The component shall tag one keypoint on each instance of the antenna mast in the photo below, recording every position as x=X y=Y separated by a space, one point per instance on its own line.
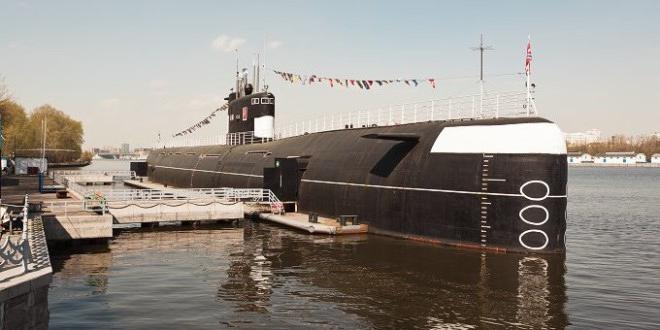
x=237 y=76
x=481 y=50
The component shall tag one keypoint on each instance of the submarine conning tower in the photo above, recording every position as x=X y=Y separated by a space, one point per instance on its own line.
x=251 y=115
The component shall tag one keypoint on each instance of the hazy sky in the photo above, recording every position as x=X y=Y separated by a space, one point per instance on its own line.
x=131 y=69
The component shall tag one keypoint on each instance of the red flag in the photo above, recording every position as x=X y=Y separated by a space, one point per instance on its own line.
x=528 y=58
x=432 y=82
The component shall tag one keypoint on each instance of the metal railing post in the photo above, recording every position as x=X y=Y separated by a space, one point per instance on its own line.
x=25 y=247
x=415 y=113
x=449 y=115
x=497 y=106
x=403 y=111
x=390 y=122
x=432 y=108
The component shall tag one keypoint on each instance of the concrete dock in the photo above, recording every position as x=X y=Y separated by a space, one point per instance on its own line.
x=299 y=221
x=160 y=211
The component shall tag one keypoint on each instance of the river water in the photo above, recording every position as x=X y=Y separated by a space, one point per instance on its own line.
x=257 y=275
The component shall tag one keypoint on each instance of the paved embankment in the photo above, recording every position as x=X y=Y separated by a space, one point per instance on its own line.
x=24 y=279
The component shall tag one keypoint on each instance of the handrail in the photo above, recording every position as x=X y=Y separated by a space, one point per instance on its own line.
x=16 y=253
x=229 y=195
x=474 y=106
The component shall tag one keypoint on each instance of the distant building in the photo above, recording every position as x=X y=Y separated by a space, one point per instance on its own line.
x=579 y=157
x=629 y=157
x=579 y=138
x=125 y=149
x=655 y=159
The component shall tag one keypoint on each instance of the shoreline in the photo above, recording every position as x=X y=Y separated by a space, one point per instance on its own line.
x=643 y=165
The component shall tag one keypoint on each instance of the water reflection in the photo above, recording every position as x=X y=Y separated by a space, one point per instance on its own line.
x=267 y=276
x=90 y=263
x=398 y=283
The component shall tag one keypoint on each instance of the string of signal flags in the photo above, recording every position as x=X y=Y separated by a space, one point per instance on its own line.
x=202 y=122
x=352 y=83
x=348 y=83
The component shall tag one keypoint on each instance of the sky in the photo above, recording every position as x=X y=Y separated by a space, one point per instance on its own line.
x=130 y=70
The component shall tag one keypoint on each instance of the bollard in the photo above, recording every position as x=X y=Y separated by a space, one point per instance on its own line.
x=344 y=217
x=354 y=220
x=313 y=217
x=342 y=220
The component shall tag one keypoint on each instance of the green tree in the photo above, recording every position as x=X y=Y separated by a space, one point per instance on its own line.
x=62 y=132
x=24 y=134
x=86 y=156
x=13 y=124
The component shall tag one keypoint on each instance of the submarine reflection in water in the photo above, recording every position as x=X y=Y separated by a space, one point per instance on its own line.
x=392 y=282
x=267 y=275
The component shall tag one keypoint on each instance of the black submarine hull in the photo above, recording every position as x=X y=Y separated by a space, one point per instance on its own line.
x=496 y=192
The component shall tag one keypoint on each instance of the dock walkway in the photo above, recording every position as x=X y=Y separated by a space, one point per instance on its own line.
x=323 y=226
x=296 y=220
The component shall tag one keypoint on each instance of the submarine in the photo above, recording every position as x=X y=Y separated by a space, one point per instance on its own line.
x=495 y=184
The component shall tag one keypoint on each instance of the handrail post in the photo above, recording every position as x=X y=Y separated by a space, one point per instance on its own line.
x=390 y=122
x=403 y=111
x=415 y=113
x=497 y=106
x=432 y=108
x=449 y=115
x=24 y=244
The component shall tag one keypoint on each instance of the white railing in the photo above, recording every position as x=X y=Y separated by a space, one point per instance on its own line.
x=73 y=207
x=16 y=254
x=239 y=138
x=477 y=106
x=508 y=104
x=228 y=195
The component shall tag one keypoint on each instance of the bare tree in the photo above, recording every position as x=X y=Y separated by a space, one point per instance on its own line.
x=4 y=92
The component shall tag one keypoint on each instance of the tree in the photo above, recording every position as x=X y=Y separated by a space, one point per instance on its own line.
x=25 y=133
x=87 y=156
x=13 y=123
x=4 y=92
x=62 y=132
